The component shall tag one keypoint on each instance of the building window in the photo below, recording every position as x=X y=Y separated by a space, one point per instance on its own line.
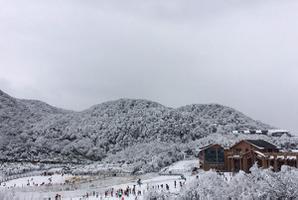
x=214 y=155
x=210 y=155
x=220 y=155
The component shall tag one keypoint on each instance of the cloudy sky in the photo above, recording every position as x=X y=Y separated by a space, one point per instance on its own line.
x=76 y=53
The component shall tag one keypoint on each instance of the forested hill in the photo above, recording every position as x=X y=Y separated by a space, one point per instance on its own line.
x=33 y=130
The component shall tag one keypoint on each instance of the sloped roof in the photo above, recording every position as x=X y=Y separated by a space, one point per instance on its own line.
x=208 y=146
x=262 y=144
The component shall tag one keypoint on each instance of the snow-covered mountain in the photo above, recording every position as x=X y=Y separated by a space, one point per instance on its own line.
x=32 y=130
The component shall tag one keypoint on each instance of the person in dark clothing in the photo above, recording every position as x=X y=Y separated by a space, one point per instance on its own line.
x=139 y=182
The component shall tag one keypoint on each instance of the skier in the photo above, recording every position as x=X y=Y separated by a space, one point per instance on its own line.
x=167 y=187
x=183 y=177
x=139 y=182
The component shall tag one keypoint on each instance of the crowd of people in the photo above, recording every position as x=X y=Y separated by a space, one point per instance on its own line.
x=129 y=192
x=134 y=191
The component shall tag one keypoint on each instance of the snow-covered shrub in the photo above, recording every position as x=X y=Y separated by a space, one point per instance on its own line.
x=148 y=157
x=158 y=195
x=259 y=184
x=209 y=186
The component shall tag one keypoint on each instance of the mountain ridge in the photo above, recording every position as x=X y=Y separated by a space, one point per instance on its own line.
x=34 y=130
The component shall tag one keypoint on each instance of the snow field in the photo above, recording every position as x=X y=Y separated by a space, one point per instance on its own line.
x=150 y=183
x=36 y=181
x=96 y=188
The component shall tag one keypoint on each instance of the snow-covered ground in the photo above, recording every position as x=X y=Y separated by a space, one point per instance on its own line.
x=36 y=181
x=181 y=167
x=93 y=189
x=97 y=188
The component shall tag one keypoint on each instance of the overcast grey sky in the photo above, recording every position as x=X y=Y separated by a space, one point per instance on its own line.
x=73 y=54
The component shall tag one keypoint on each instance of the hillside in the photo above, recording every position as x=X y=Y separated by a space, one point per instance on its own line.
x=33 y=130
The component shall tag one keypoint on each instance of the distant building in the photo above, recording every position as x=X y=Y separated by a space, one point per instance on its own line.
x=279 y=133
x=244 y=154
x=271 y=132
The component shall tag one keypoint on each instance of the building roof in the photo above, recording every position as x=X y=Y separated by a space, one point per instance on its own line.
x=262 y=144
x=208 y=146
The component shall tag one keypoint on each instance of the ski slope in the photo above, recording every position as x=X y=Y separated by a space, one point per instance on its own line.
x=93 y=188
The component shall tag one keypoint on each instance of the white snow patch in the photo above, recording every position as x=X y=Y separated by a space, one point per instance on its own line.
x=36 y=181
x=181 y=167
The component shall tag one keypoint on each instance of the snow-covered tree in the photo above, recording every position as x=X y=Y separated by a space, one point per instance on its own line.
x=259 y=185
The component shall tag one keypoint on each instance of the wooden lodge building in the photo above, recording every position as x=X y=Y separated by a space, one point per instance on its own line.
x=243 y=155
